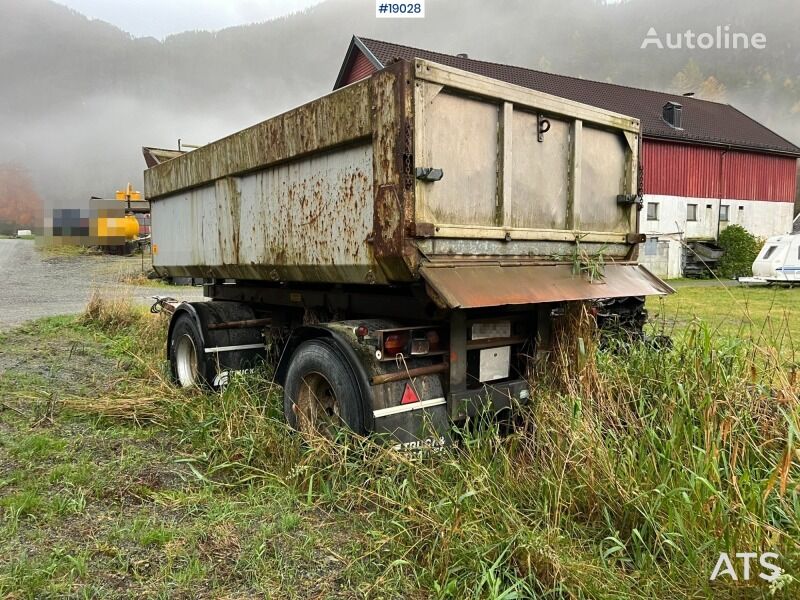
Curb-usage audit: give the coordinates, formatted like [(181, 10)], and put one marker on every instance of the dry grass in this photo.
[(137, 339), (54, 248), (138, 278), (114, 314), (133, 408), (110, 314)]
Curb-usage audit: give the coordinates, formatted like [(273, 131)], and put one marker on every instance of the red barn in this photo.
[(705, 164)]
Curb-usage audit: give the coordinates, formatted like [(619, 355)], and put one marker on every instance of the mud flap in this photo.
[(422, 425), (412, 413)]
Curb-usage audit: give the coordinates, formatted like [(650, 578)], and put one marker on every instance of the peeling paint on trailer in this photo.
[(303, 220), (393, 170), (333, 120)]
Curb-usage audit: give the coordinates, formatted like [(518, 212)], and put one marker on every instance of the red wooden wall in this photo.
[(359, 68), (675, 169)]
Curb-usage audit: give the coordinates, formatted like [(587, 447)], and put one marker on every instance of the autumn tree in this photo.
[(20, 205)]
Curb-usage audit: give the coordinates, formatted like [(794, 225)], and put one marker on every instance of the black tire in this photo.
[(187, 357), (321, 393)]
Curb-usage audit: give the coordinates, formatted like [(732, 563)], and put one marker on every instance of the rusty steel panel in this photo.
[(460, 137), (520, 166), (512, 251), (308, 220), (338, 118), (603, 178), (539, 174), (393, 170), (388, 216), (694, 171), (477, 286)]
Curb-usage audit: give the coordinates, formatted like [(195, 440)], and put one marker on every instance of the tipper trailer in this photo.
[(400, 246)]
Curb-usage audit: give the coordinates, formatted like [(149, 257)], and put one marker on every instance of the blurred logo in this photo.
[(722, 38)]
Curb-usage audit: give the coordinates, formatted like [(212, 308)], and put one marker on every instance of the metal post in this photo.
[(544, 337), (458, 357)]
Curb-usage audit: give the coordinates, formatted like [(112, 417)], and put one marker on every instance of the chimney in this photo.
[(672, 113), (462, 55)]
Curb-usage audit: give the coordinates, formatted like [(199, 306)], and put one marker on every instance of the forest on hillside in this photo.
[(80, 97)]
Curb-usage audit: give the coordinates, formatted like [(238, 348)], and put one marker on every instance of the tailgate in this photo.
[(521, 165)]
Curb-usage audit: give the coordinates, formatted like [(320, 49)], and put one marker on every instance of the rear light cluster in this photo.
[(407, 342), (393, 343)]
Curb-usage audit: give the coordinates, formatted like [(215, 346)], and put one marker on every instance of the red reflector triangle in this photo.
[(409, 395)]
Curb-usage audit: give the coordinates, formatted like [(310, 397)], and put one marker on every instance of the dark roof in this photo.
[(703, 121), (156, 156)]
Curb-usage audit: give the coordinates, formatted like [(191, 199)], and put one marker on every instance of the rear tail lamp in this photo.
[(395, 343), (412, 341), (434, 342)]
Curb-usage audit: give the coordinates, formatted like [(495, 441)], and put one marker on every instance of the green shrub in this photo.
[(741, 249)]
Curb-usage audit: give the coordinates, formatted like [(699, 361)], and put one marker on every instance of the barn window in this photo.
[(651, 246), (723, 212), (652, 211), (691, 212)]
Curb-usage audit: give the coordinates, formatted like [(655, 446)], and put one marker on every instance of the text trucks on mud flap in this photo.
[(399, 246)]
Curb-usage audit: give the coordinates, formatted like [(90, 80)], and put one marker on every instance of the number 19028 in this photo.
[(407, 10)]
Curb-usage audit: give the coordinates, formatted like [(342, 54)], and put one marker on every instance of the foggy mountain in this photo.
[(78, 98)]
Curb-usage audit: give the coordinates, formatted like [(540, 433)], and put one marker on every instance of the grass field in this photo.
[(766, 316), (625, 480)]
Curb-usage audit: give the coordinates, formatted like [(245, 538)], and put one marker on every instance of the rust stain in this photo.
[(392, 106), (235, 204), (333, 120)]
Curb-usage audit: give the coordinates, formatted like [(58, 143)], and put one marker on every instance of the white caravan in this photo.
[(778, 261)]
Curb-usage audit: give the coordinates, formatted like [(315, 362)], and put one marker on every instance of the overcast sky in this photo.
[(160, 18)]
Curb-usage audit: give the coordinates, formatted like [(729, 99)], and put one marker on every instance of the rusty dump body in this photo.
[(420, 172), (405, 242)]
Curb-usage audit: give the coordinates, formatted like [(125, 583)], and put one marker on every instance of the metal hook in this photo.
[(543, 126)]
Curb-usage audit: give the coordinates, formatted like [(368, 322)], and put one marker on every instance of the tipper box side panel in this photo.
[(603, 176), (340, 118), (305, 220), (318, 194)]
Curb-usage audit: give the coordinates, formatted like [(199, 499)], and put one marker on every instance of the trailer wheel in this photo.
[(187, 354), (321, 394)]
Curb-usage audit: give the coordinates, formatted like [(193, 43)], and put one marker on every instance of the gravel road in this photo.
[(34, 284)]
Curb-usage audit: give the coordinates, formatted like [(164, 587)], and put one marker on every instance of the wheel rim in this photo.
[(317, 407), (186, 361)]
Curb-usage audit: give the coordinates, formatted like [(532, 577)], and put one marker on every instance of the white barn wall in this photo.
[(761, 218)]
